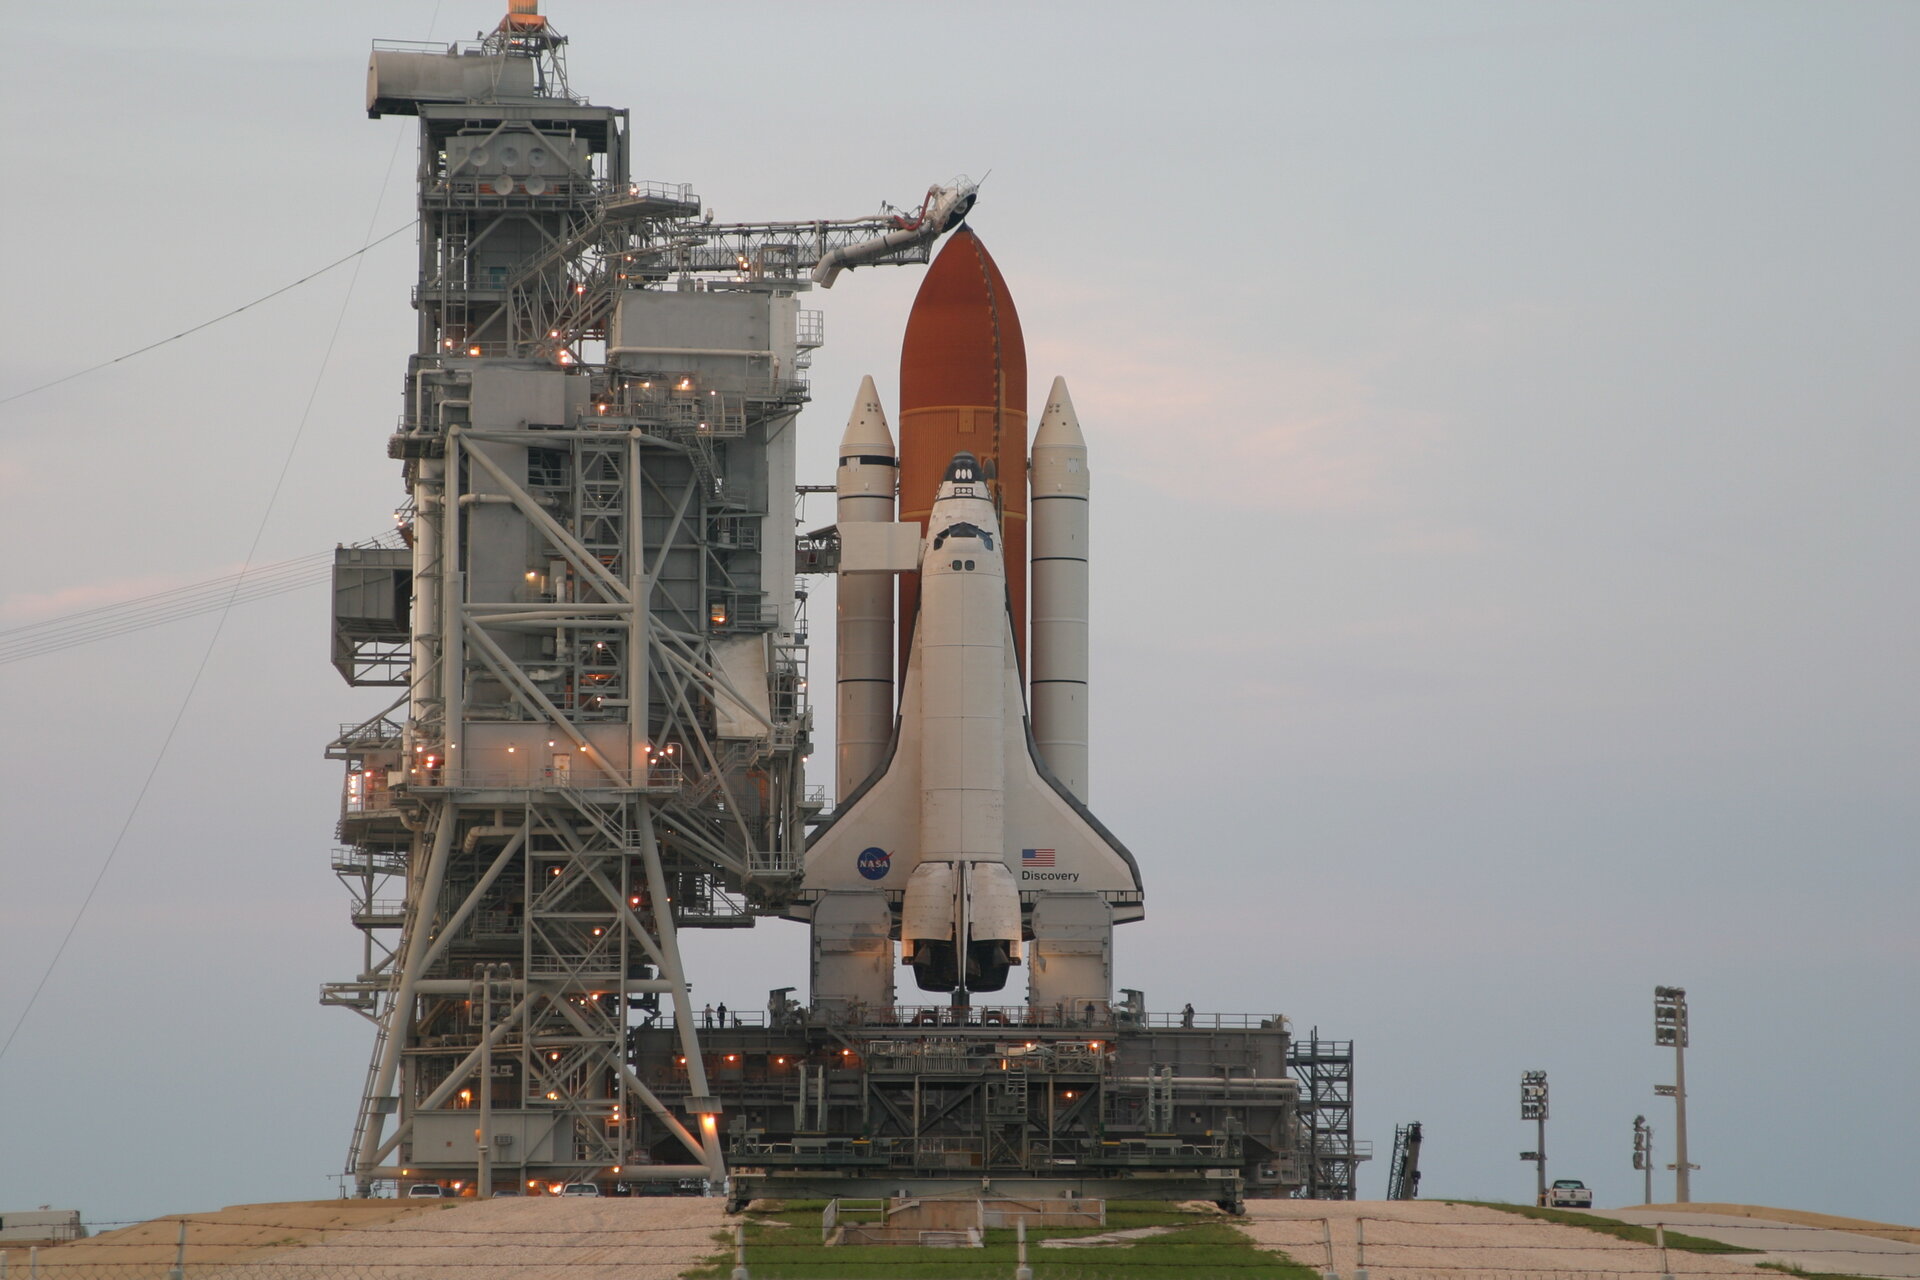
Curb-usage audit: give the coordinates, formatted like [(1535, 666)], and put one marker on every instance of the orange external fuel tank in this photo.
[(963, 387)]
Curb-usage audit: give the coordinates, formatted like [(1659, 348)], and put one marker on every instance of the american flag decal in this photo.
[(1036, 857)]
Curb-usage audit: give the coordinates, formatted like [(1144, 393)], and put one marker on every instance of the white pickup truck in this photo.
[(1569, 1193)]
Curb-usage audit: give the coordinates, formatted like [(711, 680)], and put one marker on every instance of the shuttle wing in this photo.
[(1053, 843)]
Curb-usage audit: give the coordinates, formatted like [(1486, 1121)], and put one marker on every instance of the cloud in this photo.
[(1253, 429)]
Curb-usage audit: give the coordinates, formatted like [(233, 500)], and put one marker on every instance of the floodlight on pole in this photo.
[(1670, 1028), (1533, 1106), (1643, 1152)]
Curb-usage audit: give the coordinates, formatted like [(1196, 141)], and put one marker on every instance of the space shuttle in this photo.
[(961, 833)]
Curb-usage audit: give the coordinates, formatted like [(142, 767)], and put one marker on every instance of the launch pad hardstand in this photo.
[(597, 641)]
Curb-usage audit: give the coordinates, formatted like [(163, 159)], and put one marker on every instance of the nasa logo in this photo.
[(875, 863)]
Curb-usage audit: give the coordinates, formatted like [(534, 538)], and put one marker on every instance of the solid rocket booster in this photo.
[(963, 389), (863, 487), (1061, 504)]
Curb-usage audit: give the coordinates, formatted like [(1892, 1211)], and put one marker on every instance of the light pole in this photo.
[(490, 982), (1533, 1106), (1643, 1152), (1670, 1027)]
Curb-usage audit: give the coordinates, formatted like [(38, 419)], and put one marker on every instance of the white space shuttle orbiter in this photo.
[(961, 842)]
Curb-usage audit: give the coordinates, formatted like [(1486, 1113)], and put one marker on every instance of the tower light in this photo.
[(1670, 1028), (1533, 1106), (1643, 1153)]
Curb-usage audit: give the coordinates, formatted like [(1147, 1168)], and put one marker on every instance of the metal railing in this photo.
[(374, 733), (388, 911), (1006, 1019), (581, 777), (603, 968), (364, 862), (679, 196), (774, 862), (453, 47), (673, 192), (1210, 1021), (366, 793), (501, 186), (936, 1149)]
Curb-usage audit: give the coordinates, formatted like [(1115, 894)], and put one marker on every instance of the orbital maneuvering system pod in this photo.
[(962, 831)]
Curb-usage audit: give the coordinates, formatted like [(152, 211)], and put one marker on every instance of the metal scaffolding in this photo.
[(603, 723), (1325, 1071), (1403, 1179)]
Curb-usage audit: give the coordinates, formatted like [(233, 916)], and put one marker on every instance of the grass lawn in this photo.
[(785, 1245), (1805, 1274), (1609, 1227)]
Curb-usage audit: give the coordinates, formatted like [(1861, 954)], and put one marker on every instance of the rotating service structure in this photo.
[(601, 665)]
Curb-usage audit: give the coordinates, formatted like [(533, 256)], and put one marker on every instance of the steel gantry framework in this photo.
[(600, 734), (1325, 1071), (1403, 1178)]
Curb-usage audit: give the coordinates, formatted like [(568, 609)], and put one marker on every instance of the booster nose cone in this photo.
[(866, 434), (1059, 425)]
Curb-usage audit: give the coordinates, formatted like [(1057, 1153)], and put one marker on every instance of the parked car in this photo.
[(1569, 1193), (426, 1191), (581, 1189)]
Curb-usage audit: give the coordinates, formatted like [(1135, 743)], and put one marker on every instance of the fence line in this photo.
[(613, 1251)]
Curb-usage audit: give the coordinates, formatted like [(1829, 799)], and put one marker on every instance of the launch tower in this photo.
[(602, 669)]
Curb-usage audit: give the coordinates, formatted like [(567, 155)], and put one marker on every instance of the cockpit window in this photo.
[(963, 530)]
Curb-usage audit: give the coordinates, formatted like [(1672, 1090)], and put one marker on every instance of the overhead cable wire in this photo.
[(206, 324), (104, 622), (162, 596), (260, 529)]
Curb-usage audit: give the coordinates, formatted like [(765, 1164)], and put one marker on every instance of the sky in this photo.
[(1502, 432)]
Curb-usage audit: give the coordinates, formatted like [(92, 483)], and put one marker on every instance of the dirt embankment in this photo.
[(239, 1232), (1429, 1240), (507, 1239), (1795, 1217)]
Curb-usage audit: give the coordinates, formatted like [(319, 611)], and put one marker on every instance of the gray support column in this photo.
[(421, 901)]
